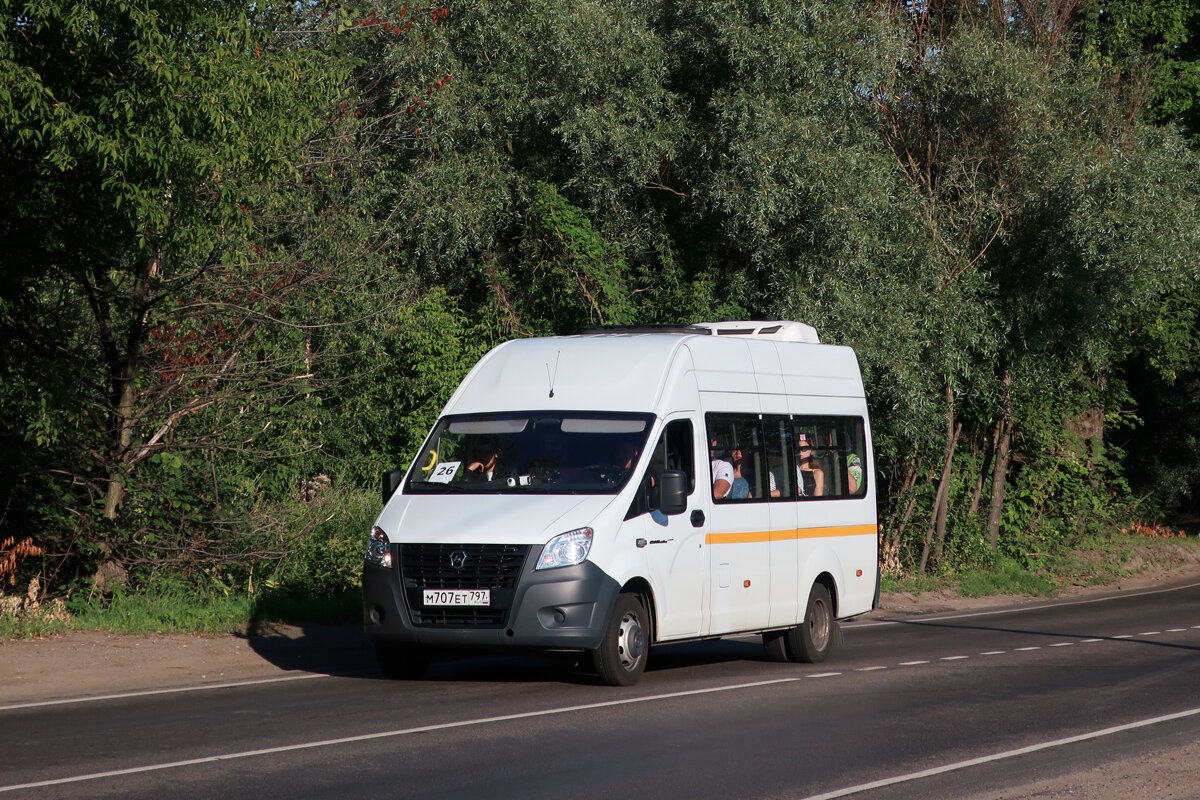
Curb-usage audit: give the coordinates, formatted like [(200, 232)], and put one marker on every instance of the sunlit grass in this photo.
[(171, 613), (1097, 561)]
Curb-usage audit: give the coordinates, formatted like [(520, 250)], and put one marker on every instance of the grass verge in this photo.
[(169, 613), (1094, 562)]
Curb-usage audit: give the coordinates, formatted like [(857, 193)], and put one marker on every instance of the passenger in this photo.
[(627, 452), (810, 475), (483, 466), (740, 487), (854, 472), (722, 472)]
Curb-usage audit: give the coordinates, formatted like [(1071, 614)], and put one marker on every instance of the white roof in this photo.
[(630, 370)]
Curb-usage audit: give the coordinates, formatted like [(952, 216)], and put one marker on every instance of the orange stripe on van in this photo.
[(796, 533)]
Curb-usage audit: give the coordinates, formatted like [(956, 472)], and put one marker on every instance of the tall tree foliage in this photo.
[(253, 248), (172, 167)]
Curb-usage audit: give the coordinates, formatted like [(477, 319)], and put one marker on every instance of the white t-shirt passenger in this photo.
[(722, 471)]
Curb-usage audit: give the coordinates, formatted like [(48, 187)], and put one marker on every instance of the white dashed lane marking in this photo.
[(1027, 649)]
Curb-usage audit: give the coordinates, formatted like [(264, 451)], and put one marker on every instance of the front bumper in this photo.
[(559, 609)]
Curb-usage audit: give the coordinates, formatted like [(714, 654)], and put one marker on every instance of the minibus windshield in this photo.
[(536, 452)]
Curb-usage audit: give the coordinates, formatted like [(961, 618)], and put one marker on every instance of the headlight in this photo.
[(379, 548), (566, 549)]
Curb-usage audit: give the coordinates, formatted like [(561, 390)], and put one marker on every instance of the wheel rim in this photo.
[(631, 641), (819, 624)]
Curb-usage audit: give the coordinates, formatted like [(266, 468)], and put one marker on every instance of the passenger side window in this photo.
[(737, 452), (829, 456), (755, 458)]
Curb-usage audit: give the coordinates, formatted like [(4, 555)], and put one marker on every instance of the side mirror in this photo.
[(391, 482), (673, 491)]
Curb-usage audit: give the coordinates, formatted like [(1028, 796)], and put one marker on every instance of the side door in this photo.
[(674, 545), (739, 537)]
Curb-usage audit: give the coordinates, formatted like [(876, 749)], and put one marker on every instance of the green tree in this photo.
[(174, 207)]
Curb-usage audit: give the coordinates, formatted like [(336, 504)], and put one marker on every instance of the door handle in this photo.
[(697, 518)]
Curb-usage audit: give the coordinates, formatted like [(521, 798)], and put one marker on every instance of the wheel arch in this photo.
[(641, 587), (823, 566), (827, 580)]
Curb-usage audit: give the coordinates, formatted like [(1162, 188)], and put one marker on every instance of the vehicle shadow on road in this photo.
[(343, 650), (324, 649)]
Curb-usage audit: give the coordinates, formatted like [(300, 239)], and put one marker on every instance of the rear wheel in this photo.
[(401, 663), (621, 658), (812, 640)]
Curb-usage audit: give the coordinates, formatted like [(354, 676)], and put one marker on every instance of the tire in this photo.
[(811, 641), (401, 663), (621, 657)]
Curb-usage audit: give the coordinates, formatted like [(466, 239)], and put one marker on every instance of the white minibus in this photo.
[(630, 487)]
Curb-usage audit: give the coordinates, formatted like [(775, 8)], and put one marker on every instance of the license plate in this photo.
[(457, 597)]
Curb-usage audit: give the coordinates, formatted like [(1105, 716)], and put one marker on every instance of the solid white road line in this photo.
[(974, 762), (149, 692), (387, 734)]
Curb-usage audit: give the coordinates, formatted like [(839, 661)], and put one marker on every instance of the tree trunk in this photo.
[(890, 557), (942, 502), (125, 370), (989, 454), (116, 475), (1000, 473), (936, 534)]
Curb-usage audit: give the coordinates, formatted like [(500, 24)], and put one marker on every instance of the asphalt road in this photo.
[(942, 706)]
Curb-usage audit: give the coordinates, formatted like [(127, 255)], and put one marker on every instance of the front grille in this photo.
[(496, 567)]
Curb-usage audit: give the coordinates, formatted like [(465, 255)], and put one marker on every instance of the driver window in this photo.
[(675, 451)]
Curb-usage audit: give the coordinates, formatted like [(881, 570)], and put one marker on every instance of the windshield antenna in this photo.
[(551, 377)]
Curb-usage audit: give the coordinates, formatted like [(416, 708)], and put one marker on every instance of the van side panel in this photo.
[(820, 369), (784, 550), (739, 542), (739, 596)]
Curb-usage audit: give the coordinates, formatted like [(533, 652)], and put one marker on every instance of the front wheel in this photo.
[(621, 658)]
